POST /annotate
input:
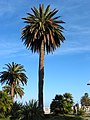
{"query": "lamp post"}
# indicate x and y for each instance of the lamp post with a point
(88, 83)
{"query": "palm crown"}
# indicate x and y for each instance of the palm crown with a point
(14, 74)
(42, 27)
(17, 90)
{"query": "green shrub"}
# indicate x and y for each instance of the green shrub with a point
(15, 111)
(28, 111)
(5, 104)
(31, 111)
(62, 104)
(81, 112)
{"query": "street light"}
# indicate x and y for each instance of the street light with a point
(88, 83)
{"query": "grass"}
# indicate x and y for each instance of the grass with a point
(60, 117)
(65, 117)
(4, 119)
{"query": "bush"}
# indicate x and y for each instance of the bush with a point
(5, 104)
(15, 111)
(28, 111)
(62, 104)
(57, 111)
(81, 112)
(31, 111)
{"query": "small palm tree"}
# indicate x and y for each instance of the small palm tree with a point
(30, 111)
(16, 111)
(18, 91)
(43, 32)
(13, 76)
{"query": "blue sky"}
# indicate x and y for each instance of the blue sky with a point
(68, 69)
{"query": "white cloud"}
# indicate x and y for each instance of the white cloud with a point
(14, 50)
(5, 8)
(9, 49)
(73, 48)
(80, 30)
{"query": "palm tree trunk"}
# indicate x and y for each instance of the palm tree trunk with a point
(41, 77)
(12, 92)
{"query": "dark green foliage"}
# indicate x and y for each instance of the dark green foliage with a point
(18, 91)
(53, 117)
(15, 111)
(42, 26)
(81, 112)
(31, 111)
(28, 111)
(85, 100)
(58, 117)
(63, 117)
(6, 118)
(13, 76)
(62, 104)
(14, 73)
(5, 104)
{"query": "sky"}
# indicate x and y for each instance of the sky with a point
(68, 68)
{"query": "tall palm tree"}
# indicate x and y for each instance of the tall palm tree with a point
(18, 91)
(43, 32)
(13, 76)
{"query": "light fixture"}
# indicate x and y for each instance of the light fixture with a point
(88, 83)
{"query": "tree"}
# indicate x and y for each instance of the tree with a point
(43, 33)
(13, 76)
(85, 100)
(68, 102)
(5, 104)
(62, 104)
(18, 91)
